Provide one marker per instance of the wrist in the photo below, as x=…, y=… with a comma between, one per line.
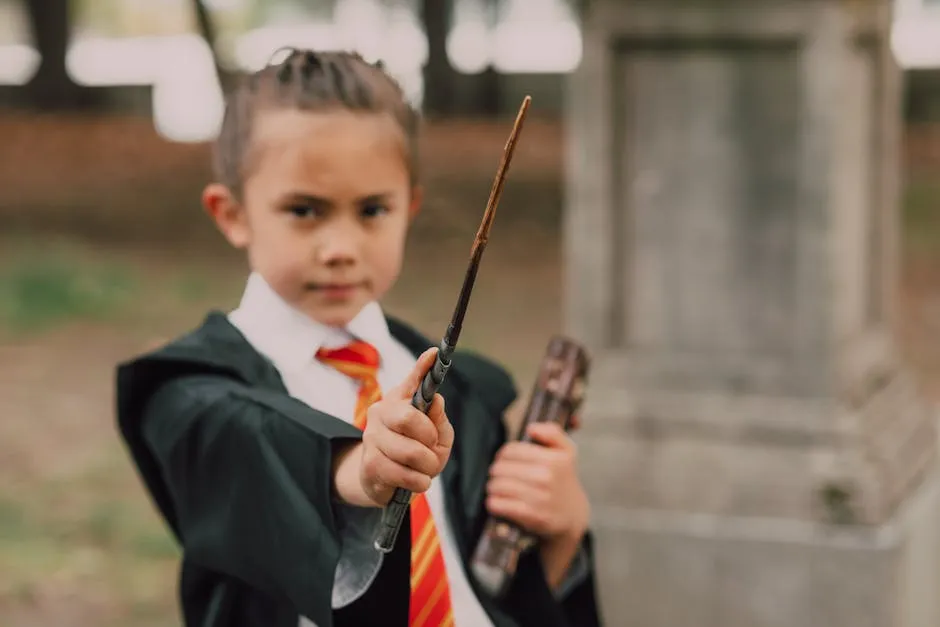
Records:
x=576, y=529
x=570, y=537
x=558, y=553
x=347, y=486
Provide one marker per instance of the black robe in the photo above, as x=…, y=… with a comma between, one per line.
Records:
x=241, y=473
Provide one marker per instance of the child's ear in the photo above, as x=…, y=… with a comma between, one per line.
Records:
x=227, y=213
x=417, y=197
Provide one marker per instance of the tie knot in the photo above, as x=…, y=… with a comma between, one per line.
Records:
x=358, y=359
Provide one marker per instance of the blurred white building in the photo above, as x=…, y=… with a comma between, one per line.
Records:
x=916, y=36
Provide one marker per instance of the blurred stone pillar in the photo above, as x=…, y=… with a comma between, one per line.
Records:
x=756, y=453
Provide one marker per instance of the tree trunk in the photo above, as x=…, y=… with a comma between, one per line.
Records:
x=207, y=29
x=489, y=96
x=439, y=75
x=52, y=87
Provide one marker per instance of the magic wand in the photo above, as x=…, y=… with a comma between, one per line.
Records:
x=397, y=507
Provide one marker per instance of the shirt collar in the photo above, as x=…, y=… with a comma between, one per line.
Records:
x=291, y=339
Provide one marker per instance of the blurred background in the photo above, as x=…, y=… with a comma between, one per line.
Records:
x=107, y=108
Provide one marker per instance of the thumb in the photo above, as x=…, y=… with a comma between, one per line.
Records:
x=548, y=434
x=406, y=389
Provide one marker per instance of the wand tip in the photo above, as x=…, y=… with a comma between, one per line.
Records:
x=523, y=111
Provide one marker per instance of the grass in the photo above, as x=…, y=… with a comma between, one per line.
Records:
x=89, y=538
x=36, y=294
x=921, y=216
x=72, y=283
x=81, y=538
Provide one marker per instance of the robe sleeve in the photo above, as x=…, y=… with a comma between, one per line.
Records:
x=577, y=594
x=574, y=604
x=250, y=488
x=577, y=574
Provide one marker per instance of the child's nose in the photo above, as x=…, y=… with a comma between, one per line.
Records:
x=337, y=250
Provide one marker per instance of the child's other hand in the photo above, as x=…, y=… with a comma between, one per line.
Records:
x=537, y=487
x=401, y=446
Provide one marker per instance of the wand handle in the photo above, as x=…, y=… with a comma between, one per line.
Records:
x=394, y=513
x=556, y=397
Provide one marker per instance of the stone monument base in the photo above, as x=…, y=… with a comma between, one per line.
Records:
x=666, y=569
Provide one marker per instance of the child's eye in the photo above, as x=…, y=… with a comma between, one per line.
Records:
x=303, y=211
x=373, y=210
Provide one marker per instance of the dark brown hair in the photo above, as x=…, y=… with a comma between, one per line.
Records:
x=310, y=81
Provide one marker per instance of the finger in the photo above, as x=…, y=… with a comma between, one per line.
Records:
x=445, y=436
x=516, y=511
x=537, y=476
x=515, y=488
x=436, y=410
x=388, y=473
x=445, y=430
x=527, y=452
x=549, y=434
x=406, y=389
x=404, y=419
x=408, y=453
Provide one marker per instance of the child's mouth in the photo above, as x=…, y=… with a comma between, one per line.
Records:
x=336, y=291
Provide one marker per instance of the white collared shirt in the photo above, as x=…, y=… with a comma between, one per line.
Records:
x=290, y=340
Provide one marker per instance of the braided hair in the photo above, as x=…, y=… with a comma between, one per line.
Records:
x=309, y=81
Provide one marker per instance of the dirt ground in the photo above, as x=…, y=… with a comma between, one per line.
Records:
x=104, y=252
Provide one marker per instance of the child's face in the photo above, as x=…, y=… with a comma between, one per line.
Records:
x=326, y=207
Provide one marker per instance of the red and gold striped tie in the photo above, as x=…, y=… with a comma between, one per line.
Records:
x=430, y=593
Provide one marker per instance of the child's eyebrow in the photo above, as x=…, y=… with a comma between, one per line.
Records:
x=298, y=198
x=306, y=199
x=374, y=198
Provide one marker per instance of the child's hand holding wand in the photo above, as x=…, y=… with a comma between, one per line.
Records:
x=401, y=447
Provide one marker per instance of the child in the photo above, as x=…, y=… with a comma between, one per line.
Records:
x=271, y=437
